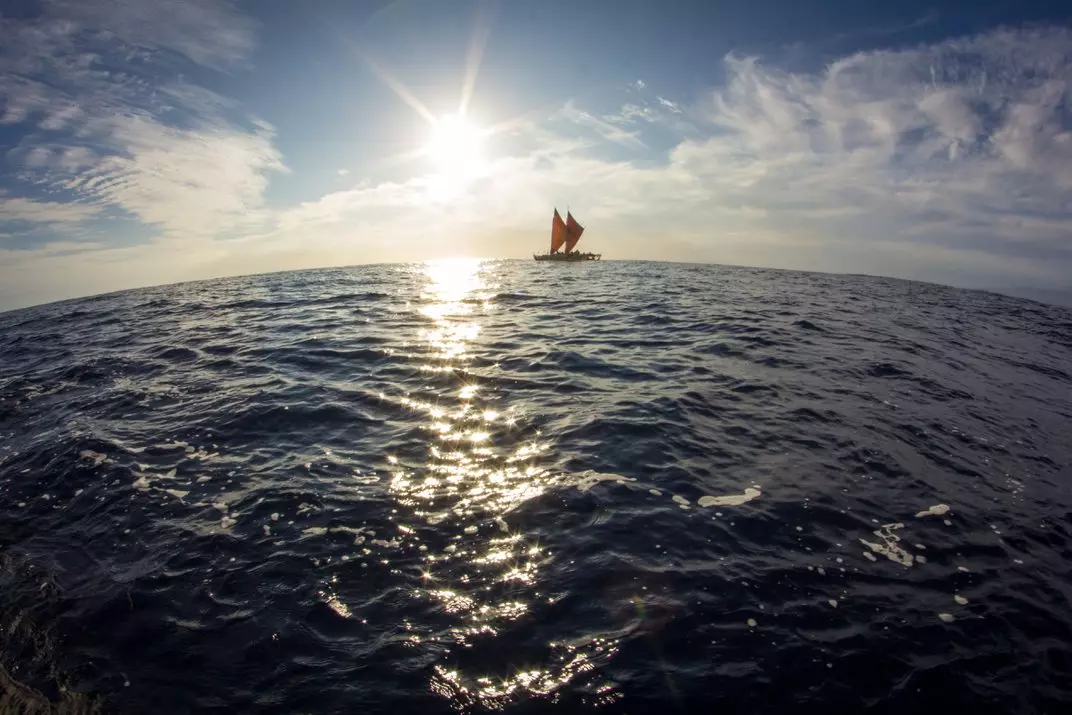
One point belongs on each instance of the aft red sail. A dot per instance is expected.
(573, 231)
(558, 232)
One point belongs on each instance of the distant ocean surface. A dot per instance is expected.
(471, 486)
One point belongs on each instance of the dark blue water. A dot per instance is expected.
(629, 487)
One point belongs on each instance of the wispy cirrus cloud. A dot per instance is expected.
(106, 123)
(211, 33)
(609, 130)
(18, 209)
(963, 144)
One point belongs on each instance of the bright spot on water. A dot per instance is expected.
(731, 499)
(889, 546)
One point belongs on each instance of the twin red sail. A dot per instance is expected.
(558, 232)
(566, 232)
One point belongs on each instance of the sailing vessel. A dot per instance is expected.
(564, 236)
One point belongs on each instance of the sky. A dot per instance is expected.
(154, 141)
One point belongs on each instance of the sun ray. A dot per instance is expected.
(392, 83)
(481, 30)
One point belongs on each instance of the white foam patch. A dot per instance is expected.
(752, 623)
(947, 617)
(833, 602)
(936, 510)
(142, 482)
(960, 600)
(177, 493)
(681, 500)
(655, 492)
(392, 544)
(471, 529)
(322, 530)
(96, 457)
(889, 545)
(593, 478)
(731, 499)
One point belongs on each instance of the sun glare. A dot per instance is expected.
(456, 148)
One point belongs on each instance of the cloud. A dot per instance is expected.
(106, 121)
(606, 129)
(953, 139)
(44, 212)
(629, 114)
(202, 181)
(212, 33)
(672, 106)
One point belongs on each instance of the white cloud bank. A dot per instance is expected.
(948, 162)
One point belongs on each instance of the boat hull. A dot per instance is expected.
(567, 257)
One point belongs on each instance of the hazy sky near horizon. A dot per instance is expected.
(153, 141)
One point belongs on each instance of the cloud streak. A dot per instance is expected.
(45, 212)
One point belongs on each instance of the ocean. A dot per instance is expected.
(473, 486)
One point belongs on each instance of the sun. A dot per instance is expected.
(456, 148)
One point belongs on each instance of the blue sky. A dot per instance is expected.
(152, 141)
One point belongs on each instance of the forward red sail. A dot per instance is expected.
(573, 231)
(558, 232)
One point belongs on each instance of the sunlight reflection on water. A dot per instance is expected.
(477, 472)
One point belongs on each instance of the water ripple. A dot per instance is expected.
(493, 485)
